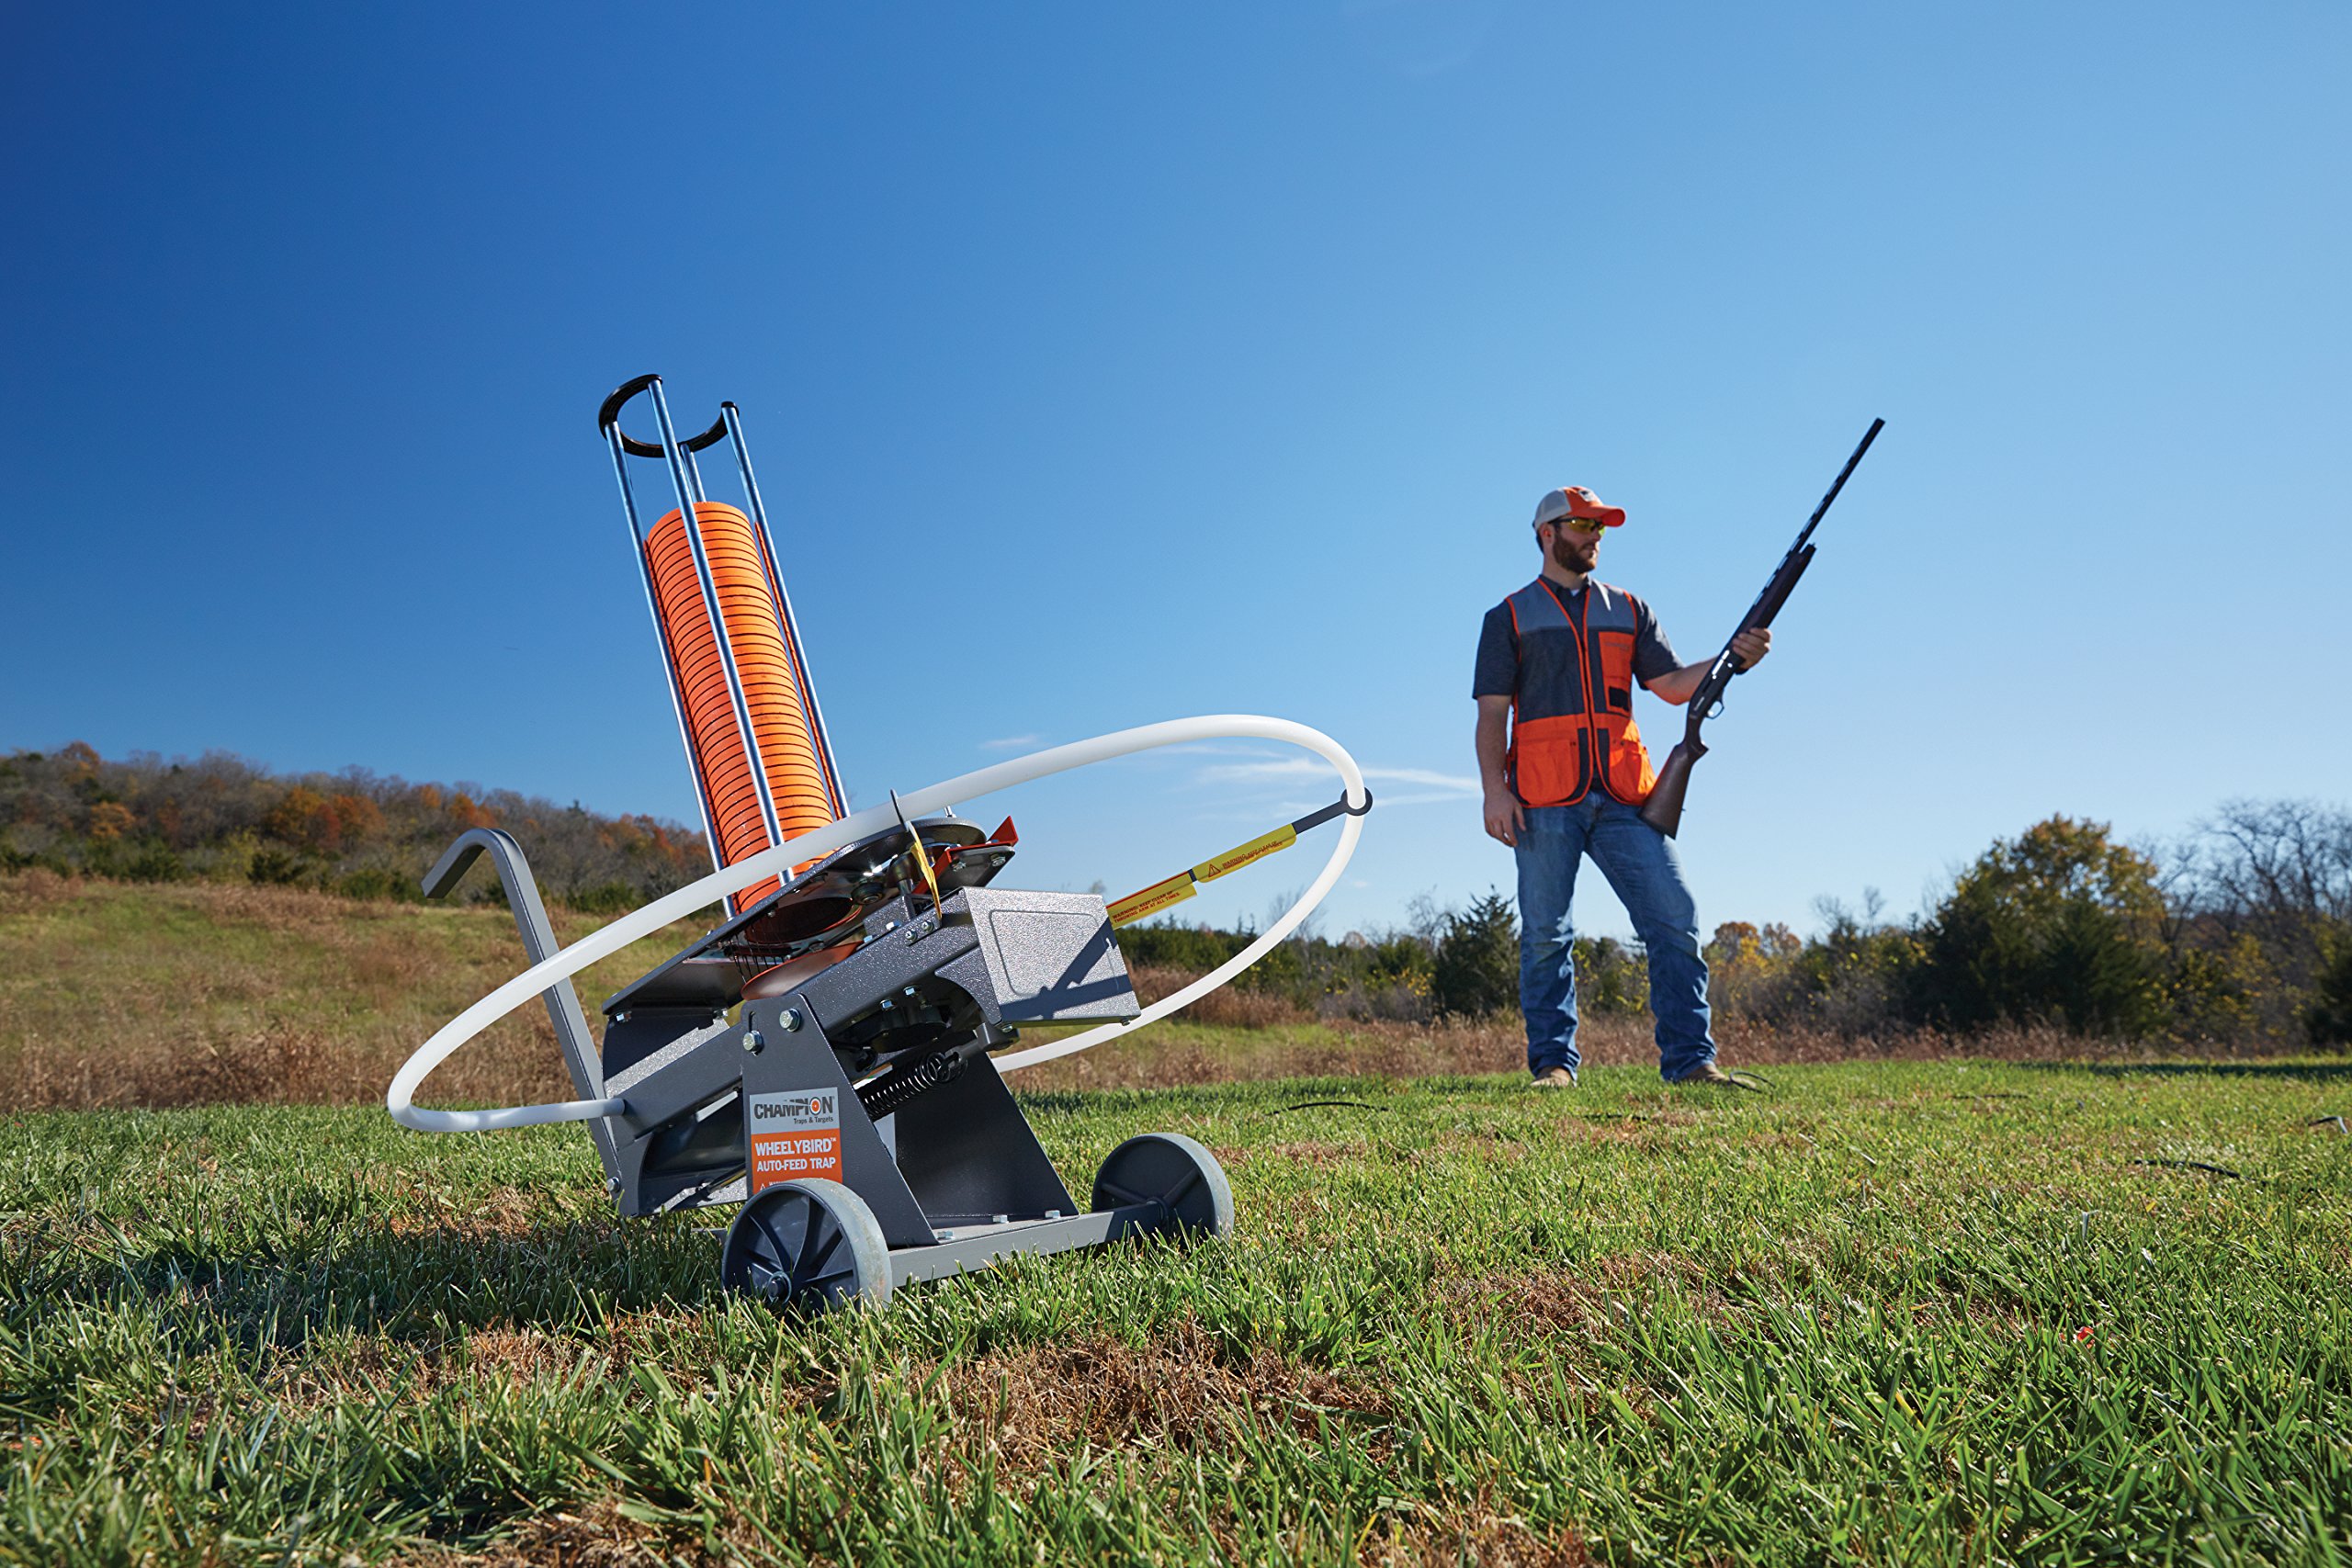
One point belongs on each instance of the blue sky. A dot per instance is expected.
(1108, 364)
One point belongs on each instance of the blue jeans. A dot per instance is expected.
(1639, 863)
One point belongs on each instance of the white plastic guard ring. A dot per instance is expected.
(400, 1099)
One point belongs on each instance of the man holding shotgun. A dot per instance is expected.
(1565, 774)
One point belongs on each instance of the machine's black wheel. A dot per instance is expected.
(806, 1243)
(1176, 1173)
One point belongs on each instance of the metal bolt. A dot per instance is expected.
(791, 1019)
(613, 1185)
(751, 1040)
(911, 991)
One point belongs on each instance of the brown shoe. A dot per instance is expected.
(1710, 1076)
(1553, 1078)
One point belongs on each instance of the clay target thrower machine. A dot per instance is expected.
(821, 1056)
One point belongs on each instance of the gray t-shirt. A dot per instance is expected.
(1497, 673)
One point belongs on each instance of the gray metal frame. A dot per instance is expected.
(959, 1181)
(1002, 958)
(685, 481)
(950, 1171)
(812, 711)
(661, 635)
(580, 1054)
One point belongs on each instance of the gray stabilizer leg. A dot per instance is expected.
(539, 944)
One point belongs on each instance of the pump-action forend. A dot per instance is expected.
(1663, 810)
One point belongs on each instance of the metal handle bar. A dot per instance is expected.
(580, 1052)
(608, 417)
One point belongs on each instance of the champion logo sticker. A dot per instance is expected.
(797, 1133)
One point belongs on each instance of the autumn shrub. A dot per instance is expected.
(2225, 990)
(1611, 977)
(1384, 977)
(1745, 963)
(140, 860)
(2060, 924)
(605, 899)
(1476, 967)
(274, 866)
(154, 861)
(1196, 949)
(378, 881)
(2328, 1018)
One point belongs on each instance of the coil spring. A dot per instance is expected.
(900, 1085)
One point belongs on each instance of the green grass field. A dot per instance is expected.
(1903, 1314)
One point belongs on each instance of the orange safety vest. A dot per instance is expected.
(1572, 709)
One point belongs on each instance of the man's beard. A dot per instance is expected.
(1570, 555)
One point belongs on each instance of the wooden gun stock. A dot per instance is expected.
(1663, 809)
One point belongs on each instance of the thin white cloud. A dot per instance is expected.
(1272, 769)
(1262, 770)
(1450, 790)
(1010, 741)
(1213, 748)
(1459, 784)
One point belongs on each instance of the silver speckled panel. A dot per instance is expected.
(1051, 956)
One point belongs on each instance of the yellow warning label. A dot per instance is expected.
(1257, 849)
(1152, 899)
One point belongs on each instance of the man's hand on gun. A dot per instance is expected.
(1752, 645)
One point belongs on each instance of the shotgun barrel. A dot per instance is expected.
(1663, 808)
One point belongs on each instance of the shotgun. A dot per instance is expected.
(1663, 810)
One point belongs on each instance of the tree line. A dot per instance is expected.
(222, 818)
(2239, 930)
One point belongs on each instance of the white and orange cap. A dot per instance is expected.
(1577, 503)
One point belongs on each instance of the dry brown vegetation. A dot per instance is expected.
(192, 993)
(1028, 1409)
(1184, 1395)
(596, 1534)
(1282, 1041)
(1015, 1418)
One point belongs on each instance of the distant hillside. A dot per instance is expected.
(183, 993)
(222, 819)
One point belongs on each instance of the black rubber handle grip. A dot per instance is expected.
(608, 417)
